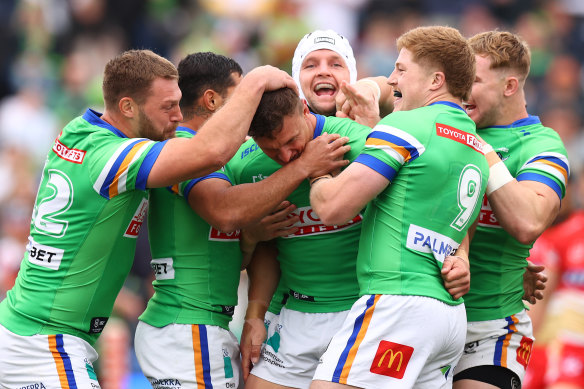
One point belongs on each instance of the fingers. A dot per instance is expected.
(446, 266)
(255, 353)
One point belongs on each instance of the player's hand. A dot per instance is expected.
(324, 154)
(533, 282)
(271, 78)
(456, 276)
(358, 102)
(278, 223)
(252, 337)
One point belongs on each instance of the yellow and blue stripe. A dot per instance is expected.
(63, 362)
(502, 345)
(201, 352)
(348, 355)
(553, 164)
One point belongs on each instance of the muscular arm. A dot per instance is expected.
(220, 137)
(523, 208)
(336, 200)
(229, 207)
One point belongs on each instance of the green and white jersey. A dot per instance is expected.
(196, 266)
(438, 176)
(318, 262)
(531, 152)
(90, 205)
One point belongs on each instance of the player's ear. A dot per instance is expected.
(438, 80)
(212, 100)
(511, 86)
(127, 107)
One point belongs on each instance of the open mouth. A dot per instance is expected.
(468, 107)
(397, 94)
(324, 89)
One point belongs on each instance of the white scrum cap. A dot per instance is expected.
(318, 40)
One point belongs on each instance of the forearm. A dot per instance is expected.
(263, 275)
(329, 203)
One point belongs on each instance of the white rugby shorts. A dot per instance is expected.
(188, 356)
(503, 342)
(295, 342)
(391, 341)
(46, 361)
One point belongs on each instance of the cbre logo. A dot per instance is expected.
(391, 359)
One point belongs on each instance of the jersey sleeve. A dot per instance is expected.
(184, 188)
(124, 165)
(549, 168)
(388, 148)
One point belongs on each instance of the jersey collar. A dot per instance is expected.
(94, 118)
(449, 103)
(319, 125)
(529, 120)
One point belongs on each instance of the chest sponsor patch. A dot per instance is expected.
(487, 216)
(310, 223)
(137, 220)
(216, 235)
(42, 255)
(71, 155)
(459, 136)
(163, 269)
(391, 359)
(427, 241)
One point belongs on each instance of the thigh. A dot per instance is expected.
(506, 343)
(188, 355)
(397, 342)
(52, 361)
(295, 344)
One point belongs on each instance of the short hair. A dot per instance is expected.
(272, 109)
(131, 74)
(505, 50)
(201, 71)
(445, 48)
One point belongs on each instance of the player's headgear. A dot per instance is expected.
(318, 40)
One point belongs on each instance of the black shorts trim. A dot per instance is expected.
(498, 376)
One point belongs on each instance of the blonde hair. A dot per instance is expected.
(446, 49)
(505, 50)
(131, 74)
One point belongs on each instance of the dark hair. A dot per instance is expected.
(201, 71)
(274, 106)
(131, 74)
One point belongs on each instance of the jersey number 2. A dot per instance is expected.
(469, 189)
(51, 206)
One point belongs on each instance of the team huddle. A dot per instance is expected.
(359, 233)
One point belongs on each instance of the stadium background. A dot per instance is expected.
(52, 54)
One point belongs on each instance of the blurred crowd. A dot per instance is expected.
(52, 55)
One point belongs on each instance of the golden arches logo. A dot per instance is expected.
(392, 358)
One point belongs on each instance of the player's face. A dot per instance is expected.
(320, 78)
(486, 99)
(289, 142)
(410, 82)
(159, 116)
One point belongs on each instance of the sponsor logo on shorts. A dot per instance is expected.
(272, 359)
(310, 223)
(71, 155)
(216, 235)
(486, 216)
(136, 223)
(36, 385)
(42, 255)
(459, 136)
(163, 269)
(391, 359)
(524, 351)
(164, 383)
(97, 324)
(427, 241)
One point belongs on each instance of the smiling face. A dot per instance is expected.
(486, 99)
(410, 82)
(160, 114)
(320, 77)
(288, 144)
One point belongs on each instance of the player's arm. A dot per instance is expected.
(228, 207)
(337, 200)
(263, 275)
(363, 100)
(219, 138)
(523, 208)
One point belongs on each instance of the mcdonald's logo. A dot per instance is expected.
(391, 359)
(524, 351)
